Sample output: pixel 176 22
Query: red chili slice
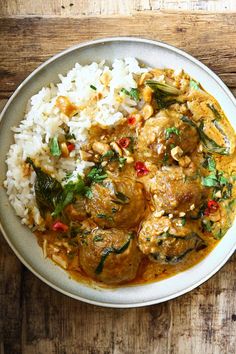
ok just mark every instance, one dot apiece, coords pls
pixel 70 147
pixel 212 207
pixel 141 169
pixel 131 120
pixel 124 142
pixel 59 226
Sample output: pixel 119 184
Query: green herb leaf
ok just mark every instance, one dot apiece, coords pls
pixel 210 181
pixel 214 110
pixel 209 144
pixel 47 189
pixel 121 198
pixel 93 87
pixel 183 221
pixel 105 216
pixel 54 147
pixel 207 225
pixel 193 84
pixel 170 131
pixel 96 175
pixel 133 93
pixel 163 88
pixel 107 251
pixel 97 238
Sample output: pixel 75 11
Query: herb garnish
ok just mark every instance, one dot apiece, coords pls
pixel 193 84
pixel 93 87
pixel 170 131
pixel 209 144
pixel 96 175
pixel 133 93
pixel 97 238
pixel 54 147
pixel 47 189
pixel 107 251
pixel 121 198
pixel 214 111
pixel 163 93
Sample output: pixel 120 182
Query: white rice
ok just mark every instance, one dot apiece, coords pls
pixel 42 122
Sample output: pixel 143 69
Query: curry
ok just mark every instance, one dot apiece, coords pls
pixel 159 196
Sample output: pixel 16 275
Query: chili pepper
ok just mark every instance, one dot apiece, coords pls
pixel 124 142
pixel 212 207
pixel 70 147
pixel 131 120
pixel 59 226
pixel 141 169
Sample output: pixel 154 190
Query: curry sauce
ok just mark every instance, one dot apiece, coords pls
pixel 159 195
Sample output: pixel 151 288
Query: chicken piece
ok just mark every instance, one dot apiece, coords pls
pixel 167 240
pixel 163 132
pixel 111 256
pixel 117 202
pixel 175 190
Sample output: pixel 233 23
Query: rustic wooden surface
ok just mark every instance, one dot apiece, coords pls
pixel 108 7
pixel 36 319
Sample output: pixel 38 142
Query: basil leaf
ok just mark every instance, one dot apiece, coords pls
pixel 209 143
pixel 93 87
pixel 54 147
pixel 109 250
pixel 133 93
pixel 214 111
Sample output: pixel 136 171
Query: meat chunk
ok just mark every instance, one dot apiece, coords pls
pixel 117 202
pixel 168 241
pixel 174 191
pixel 163 132
pixel 111 256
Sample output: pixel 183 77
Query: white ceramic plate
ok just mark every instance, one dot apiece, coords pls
pixel 23 242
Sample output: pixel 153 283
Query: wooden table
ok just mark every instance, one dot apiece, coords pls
pixel 35 318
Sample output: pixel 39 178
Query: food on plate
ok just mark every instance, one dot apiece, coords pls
pixel 126 174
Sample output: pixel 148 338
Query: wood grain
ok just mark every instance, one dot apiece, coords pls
pixel 70 8
pixel 36 319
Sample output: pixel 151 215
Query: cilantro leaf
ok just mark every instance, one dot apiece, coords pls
pixel 54 147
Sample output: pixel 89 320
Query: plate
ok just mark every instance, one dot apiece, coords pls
pixel 21 239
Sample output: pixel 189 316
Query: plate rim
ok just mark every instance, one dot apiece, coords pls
pixel 105 40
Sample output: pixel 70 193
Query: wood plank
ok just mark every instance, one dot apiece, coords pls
pixel 23 49
pixel 36 319
pixel 70 8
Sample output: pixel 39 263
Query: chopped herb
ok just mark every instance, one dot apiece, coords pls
pixel 109 153
pixel 209 144
pixel 209 163
pixel 107 251
pixel 93 87
pixel 148 239
pixel 121 198
pixel 105 216
pixel 219 234
pixel 183 221
pixel 97 238
pixel 210 181
pixel 113 210
pixel 193 84
pixel 133 93
pixel 170 131
pixel 214 110
pixel 207 225
pixel 122 161
pixel 165 158
pixel 96 175
pixel 54 147
pixel 71 189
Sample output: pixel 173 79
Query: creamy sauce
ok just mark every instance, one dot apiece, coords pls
pixel 169 181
